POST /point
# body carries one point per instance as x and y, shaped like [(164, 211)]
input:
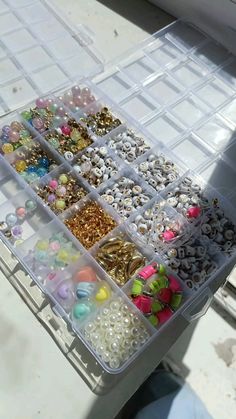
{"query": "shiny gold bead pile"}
[(101, 122), (90, 224), (120, 258)]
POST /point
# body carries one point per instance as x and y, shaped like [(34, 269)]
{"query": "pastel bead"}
[(81, 310), (55, 246), (42, 245), (37, 123), (103, 293), (11, 219), (63, 179), (40, 103), (60, 204), (61, 191), (84, 289), (51, 198), (21, 212), (30, 205), (86, 274), (53, 184), (63, 291), (17, 231), (26, 115), (20, 165)]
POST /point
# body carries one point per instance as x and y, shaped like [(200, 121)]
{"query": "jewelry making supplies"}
[(128, 145), (115, 333), (69, 139), (90, 224), (126, 196), (47, 113), (120, 259), (77, 97), (13, 136), (96, 165), (158, 171), (101, 122), (156, 293), (33, 162), (61, 192)]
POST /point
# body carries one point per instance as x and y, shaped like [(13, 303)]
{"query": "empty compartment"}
[(164, 52), (212, 173), (33, 59), (190, 110), (49, 78), (19, 40), (49, 30), (228, 73), (20, 3), (8, 71), (164, 88), (139, 105), (216, 132), (229, 111), (164, 128), (9, 185), (17, 93), (9, 23), (114, 83), (189, 73), (83, 62), (139, 67), (211, 54), (193, 151), (185, 36), (214, 92), (34, 13)]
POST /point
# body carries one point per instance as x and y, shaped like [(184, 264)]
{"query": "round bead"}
[(80, 310), (65, 130), (43, 161), (7, 148), (40, 103), (42, 245), (54, 142), (21, 212), (11, 219), (63, 291), (26, 115), (30, 205), (37, 123), (60, 204), (14, 136), (17, 231), (51, 198), (41, 171), (61, 191), (53, 184), (63, 179), (69, 156), (20, 165), (55, 246)]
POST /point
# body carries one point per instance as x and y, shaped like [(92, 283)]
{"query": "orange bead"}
[(86, 274)]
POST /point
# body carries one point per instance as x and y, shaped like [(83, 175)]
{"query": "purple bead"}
[(6, 129), (63, 291), (17, 231), (51, 198)]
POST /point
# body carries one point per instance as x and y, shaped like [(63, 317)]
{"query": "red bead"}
[(174, 284), (65, 130), (143, 303), (164, 295), (164, 315), (194, 212), (168, 235)]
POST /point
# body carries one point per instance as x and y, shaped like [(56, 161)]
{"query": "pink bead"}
[(61, 111), (37, 123), (164, 315), (21, 212), (76, 90), (48, 102), (61, 191), (164, 295), (194, 212), (174, 284), (65, 129), (51, 198), (90, 99), (85, 92), (78, 100), (84, 103), (168, 235), (55, 246), (40, 103), (147, 271), (14, 136), (53, 184)]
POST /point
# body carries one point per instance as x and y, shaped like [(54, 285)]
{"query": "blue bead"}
[(43, 161), (84, 289), (41, 171), (31, 169)]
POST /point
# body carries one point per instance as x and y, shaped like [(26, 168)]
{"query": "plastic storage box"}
[(175, 91)]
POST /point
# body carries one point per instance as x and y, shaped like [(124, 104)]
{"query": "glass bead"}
[(31, 169), (42, 245), (105, 356), (43, 161), (126, 321), (104, 312), (125, 309), (21, 212), (89, 327), (24, 133), (20, 165), (30, 177), (114, 362), (114, 305), (60, 204), (41, 171), (112, 318), (54, 142), (100, 349), (11, 219), (126, 333), (26, 115), (30, 205), (53, 107), (17, 231), (7, 148), (38, 123)]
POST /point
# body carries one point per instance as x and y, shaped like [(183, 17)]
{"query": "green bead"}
[(54, 142), (162, 270), (153, 320), (156, 306), (137, 287), (56, 121), (80, 310), (30, 205), (60, 204), (42, 112), (26, 115), (24, 133), (53, 108), (176, 300), (63, 179)]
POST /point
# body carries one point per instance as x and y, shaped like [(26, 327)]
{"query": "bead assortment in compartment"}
[(158, 171), (90, 224), (120, 258), (101, 122), (156, 293), (77, 97), (126, 196), (60, 192), (69, 139), (14, 136), (96, 165), (127, 145)]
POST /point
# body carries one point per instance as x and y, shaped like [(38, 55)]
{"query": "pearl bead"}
[(11, 219)]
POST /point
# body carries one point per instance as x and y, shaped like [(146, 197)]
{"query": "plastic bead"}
[(164, 295), (30, 205), (103, 293), (164, 315), (86, 274), (148, 271), (85, 289), (194, 212), (137, 287), (80, 310)]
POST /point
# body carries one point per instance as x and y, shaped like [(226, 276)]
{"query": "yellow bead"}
[(75, 257), (20, 165), (63, 255), (42, 245), (7, 148), (75, 135)]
